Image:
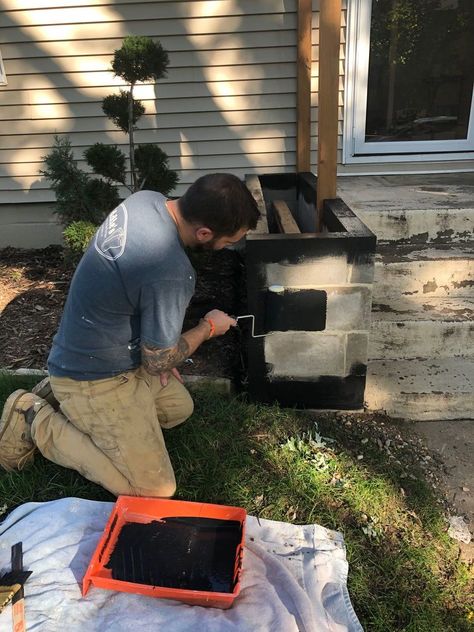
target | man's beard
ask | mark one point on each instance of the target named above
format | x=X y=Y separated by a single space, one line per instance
x=205 y=247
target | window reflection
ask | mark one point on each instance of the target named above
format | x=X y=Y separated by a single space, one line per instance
x=421 y=70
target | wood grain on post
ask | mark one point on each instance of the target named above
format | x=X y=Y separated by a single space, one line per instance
x=303 y=144
x=329 y=43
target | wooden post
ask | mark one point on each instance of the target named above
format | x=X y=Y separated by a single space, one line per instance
x=303 y=141
x=329 y=43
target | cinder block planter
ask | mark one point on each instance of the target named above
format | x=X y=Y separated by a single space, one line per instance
x=319 y=317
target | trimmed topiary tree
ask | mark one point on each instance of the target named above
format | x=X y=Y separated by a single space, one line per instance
x=139 y=59
x=84 y=200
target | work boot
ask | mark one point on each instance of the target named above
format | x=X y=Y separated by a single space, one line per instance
x=43 y=389
x=16 y=445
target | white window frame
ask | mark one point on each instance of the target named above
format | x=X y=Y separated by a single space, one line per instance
x=3 y=74
x=355 y=148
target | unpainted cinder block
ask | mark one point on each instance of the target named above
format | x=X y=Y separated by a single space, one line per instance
x=362 y=272
x=305 y=354
x=356 y=353
x=348 y=308
x=323 y=271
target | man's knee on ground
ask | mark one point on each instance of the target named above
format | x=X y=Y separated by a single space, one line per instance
x=178 y=413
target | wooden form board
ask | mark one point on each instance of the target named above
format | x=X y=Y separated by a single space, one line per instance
x=284 y=218
x=253 y=185
x=329 y=42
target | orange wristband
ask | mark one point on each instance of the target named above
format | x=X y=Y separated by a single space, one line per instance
x=212 y=330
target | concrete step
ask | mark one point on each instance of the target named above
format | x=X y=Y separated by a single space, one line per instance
x=422 y=389
x=411 y=226
x=450 y=309
x=395 y=340
x=423 y=270
x=413 y=208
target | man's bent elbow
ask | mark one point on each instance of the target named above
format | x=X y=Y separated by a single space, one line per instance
x=156 y=361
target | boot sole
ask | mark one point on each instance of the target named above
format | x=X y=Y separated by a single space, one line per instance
x=7 y=416
x=9 y=409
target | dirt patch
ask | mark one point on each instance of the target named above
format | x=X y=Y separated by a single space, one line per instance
x=34 y=286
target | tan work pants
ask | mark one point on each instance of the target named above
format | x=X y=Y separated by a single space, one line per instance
x=111 y=430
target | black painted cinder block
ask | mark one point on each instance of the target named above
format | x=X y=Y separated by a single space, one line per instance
x=346 y=241
x=296 y=310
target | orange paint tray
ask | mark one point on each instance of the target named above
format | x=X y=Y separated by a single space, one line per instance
x=188 y=551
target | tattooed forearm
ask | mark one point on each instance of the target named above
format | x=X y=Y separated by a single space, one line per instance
x=156 y=360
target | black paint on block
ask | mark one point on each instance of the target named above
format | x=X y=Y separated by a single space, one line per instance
x=296 y=310
x=345 y=236
x=178 y=552
x=341 y=393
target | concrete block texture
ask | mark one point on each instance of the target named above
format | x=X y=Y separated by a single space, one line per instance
x=356 y=353
x=309 y=273
x=305 y=355
x=348 y=307
x=361 y=272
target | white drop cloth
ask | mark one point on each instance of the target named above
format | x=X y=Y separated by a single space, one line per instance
x=294 y=579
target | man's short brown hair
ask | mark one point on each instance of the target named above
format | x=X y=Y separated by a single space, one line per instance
x=221 y=202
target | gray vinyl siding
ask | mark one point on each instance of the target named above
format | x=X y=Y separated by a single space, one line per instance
x=228 y=102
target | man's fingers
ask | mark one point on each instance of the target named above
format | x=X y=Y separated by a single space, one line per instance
x=177 y=375
x=164 y=379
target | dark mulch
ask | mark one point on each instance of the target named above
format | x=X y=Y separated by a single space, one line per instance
x=34 y=285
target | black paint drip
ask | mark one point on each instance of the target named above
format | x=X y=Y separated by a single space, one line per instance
x=186 y=552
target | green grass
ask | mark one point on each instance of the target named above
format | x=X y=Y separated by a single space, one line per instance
x=404 y=571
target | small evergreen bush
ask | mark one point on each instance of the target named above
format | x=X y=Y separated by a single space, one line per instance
x=79 y=197
x=77 y=237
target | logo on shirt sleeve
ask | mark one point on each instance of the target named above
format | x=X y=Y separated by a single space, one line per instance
x=111 y=237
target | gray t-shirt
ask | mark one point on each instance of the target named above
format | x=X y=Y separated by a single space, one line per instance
x=132 y=286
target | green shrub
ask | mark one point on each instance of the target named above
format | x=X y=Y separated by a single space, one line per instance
x=77 y=237
x=79 y=196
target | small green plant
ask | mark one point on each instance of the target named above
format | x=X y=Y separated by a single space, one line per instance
x=78 y=236
x=139 y=59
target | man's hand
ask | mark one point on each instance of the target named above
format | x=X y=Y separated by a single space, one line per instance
x=164 y=377
x=222 y=322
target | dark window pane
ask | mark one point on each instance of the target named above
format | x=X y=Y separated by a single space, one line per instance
x=421 y=70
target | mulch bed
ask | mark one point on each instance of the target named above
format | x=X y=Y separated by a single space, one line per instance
x=33 y=289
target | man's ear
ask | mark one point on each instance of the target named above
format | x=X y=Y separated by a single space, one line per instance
x=204 y=235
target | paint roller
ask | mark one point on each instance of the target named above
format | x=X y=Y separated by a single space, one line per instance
x=272 y=310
